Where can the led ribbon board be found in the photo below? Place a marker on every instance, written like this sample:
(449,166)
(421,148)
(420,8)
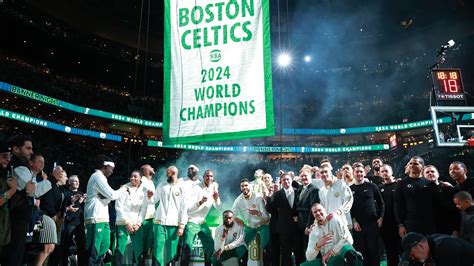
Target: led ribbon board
(270,149)
(217,71)
(75,108)
(58,127)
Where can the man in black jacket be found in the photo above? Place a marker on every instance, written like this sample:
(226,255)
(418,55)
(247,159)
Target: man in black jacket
(415,198)
(437,249)
(367,215)
(306,195)
(282,204)
(389,229)
(21,205)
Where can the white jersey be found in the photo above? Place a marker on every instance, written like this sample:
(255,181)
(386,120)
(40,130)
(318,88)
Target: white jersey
(197,213)
(149,185)
(99,195)
(132,205)
(338,198)
(340,237)
(242,207)
(235,237)
(171,210)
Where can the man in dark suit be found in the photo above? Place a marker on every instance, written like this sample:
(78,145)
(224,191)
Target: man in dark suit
(306,195)
(282,205)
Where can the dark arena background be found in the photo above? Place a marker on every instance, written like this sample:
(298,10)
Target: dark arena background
(351,82)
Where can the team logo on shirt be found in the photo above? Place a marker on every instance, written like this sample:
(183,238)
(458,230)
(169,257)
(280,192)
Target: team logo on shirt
(235,235)
(336,194)
(141,197)
(382,190)
(254,205)
(409,186)
(176,194)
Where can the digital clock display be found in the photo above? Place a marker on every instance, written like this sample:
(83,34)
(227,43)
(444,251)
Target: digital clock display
(448,84)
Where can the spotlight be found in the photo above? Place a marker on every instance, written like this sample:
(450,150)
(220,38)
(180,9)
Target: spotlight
(307,58)
(442,50)
(284,60)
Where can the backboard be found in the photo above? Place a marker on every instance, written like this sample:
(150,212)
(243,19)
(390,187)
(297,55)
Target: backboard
(453,126)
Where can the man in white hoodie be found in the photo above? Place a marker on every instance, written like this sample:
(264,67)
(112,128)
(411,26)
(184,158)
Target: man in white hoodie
(201,198)
(131,208)
(170,217)
(96,212)
(250,209)
(147,181)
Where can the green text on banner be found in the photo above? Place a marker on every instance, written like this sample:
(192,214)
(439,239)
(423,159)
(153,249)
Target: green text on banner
(217,75)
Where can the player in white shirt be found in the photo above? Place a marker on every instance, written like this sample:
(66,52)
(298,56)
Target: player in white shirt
(229,241)
(200,198)
(249,209)
(336,196)
(170,217)
(147,226)
(330,237)
(96,211)
(131,208)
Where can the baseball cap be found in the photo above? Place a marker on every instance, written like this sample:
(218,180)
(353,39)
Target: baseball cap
(408,242)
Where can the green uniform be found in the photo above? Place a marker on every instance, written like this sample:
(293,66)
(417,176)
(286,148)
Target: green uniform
(166,243)
(122,236)
(97,240)
(237,252)
(170,215)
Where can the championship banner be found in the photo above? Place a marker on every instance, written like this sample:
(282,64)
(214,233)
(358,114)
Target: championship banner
(217,71)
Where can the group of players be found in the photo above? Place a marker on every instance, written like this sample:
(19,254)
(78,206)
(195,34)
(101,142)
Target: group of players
(310,218)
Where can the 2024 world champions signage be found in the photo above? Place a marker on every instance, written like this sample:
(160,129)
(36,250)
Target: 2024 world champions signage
(217,75)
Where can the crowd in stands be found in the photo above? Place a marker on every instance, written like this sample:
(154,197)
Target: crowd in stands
(74,90)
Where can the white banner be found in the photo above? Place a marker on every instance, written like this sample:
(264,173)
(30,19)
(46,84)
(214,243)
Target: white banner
(217,76)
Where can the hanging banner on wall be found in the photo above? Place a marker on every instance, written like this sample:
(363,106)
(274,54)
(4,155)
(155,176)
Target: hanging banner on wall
(217,71)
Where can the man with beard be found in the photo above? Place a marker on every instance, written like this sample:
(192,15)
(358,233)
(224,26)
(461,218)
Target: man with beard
(376,176)
(367,214)
(415,198)
(331,238)
(389,229)
(21,204)
(447,216)
(282,204)
(201,199)
(96,211)
(249,207)
(170,217)
(336,196)
(458,172)
(147,226)
(229,241)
